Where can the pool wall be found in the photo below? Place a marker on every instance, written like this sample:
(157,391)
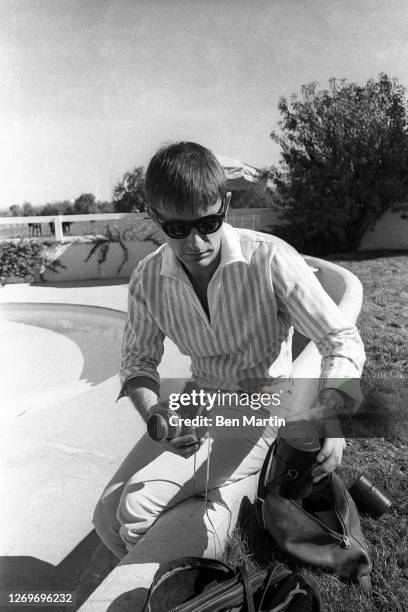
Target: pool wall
(75,267)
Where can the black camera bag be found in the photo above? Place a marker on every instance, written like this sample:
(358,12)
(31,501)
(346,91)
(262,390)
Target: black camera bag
(193,584)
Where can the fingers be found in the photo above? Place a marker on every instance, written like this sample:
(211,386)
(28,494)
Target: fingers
(329,458)
(184,446)
(183,441)
(188,451)
(325,468)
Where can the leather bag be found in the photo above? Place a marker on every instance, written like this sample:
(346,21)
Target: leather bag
(322,529)
(193,584)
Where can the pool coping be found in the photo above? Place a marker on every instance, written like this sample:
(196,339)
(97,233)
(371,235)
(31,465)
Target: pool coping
(108,294)
(58,306)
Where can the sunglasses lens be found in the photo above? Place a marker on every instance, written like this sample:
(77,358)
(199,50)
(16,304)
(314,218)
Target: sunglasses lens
(176,229)
(209,225)
(181,229)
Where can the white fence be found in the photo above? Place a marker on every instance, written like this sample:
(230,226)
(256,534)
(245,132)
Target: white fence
(390,232)
(60,225)
(63,227)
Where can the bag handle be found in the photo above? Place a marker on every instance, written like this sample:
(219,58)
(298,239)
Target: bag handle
(290,585)
(249,600)
(265,471)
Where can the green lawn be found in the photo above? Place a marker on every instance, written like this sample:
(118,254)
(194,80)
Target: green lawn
(383,324)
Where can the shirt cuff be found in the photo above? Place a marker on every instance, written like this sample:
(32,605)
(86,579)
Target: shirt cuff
(154,379)
(350,388)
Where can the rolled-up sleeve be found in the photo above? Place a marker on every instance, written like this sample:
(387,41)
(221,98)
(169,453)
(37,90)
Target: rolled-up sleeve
(142,345)
(315,315)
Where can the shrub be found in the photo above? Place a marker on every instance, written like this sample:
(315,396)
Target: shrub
(344,162)
(21,259)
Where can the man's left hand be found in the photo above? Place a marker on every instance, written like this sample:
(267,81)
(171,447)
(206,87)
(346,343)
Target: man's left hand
(329,457)
(331,454)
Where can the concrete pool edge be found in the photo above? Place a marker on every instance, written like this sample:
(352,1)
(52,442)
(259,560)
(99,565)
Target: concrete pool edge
(47,346)
(107,294)
(57,306)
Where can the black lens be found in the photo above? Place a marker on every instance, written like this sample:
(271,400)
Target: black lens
(181,229)
(209,224)
(176,230)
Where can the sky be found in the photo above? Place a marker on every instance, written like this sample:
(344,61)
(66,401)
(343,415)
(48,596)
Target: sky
(89,89)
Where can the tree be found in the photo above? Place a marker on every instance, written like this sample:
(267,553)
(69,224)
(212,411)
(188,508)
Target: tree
(85,204)
(50,209)
(250,198)
(344,161)
(29,210)
(65,207)
(16,210)
(128,193)
(105,207)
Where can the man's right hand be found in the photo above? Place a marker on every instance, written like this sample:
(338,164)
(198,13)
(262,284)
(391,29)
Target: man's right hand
(185,446)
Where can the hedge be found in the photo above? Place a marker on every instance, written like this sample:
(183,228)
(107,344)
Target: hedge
(21,260)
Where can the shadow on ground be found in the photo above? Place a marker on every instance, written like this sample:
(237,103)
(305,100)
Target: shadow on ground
(79,573)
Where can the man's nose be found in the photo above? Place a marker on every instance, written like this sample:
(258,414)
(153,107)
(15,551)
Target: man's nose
(195,239)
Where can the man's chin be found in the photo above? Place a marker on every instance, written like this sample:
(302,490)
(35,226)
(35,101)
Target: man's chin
(201,260)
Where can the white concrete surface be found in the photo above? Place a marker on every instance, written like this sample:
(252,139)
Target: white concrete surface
(62,435)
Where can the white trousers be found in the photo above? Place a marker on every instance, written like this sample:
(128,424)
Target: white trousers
(151,480)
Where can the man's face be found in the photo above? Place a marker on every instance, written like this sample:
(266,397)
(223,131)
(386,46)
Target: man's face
(197,251)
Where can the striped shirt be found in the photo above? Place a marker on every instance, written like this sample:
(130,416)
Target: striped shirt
(261,290)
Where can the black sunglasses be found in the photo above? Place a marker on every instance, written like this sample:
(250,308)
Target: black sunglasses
(178,228)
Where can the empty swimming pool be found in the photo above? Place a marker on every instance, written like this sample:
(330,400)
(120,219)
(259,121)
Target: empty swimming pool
(56,351)
(62,347)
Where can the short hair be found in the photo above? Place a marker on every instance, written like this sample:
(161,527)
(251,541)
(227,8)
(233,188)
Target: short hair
(185,177)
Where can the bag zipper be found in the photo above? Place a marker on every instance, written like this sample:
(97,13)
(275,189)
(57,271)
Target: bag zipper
(343,539)
(354,538)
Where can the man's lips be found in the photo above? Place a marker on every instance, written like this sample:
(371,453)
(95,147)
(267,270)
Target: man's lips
(197,254)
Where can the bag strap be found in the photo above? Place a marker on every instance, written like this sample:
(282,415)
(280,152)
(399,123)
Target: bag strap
(249,600)
(236,590)
(277,572)
(289,585)
(265,471)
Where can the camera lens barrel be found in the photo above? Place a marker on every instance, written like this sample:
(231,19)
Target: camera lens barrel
(297,446)
(369,498)
(160,428)
(166,424)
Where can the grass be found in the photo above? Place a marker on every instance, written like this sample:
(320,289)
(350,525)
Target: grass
(383,453)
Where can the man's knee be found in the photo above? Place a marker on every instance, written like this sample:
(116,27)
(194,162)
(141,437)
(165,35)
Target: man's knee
(138,507)
(135,520)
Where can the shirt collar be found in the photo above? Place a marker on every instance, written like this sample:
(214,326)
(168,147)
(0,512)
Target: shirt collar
(231,252)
